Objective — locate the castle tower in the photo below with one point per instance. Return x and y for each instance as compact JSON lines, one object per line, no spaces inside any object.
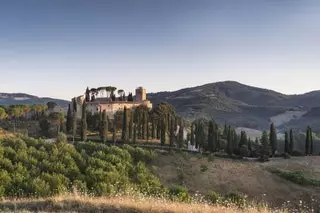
{"x":141,"y":94}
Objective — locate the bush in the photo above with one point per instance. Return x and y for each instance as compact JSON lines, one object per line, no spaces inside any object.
{"x":297,"y":177}
{"x":236,"y":199}
{"x":179,"y":193}
{"x":213,"y":197}
{"x":203,"y":168}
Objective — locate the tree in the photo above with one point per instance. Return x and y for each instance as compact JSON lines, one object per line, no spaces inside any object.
{"x":51,"y":105}
{"x":211,"y":137}
{"x":273,"y":139}
{"x":3,"y":113}
{"x":69,"y":119}
{"x":114,"y":133}
{"x":265,"y":150}
{"x":307,"y":144}
{"x":163,"y":131}
{"x":171,"y":130}
{"x":243,"y":139}
{"x":121,"y":93}
{"x":58,"y":119}
{"x":104,"y":127}
{"x":87,"y":98}
{"x":291,"y":145}
{"x":134,"y":134}
{"x":180,"y":133}
{"x":311,"y":141}
{"x":83,"y":133}
{"x":286,"y":143}
{"x":74,"y":120}
{"x":217,"y":137}
{"x":124,"y":136}
{"x":130,"y":97}
{"x":199,"y":132}
{"x":192,"y":135}
{"x":229,"y":141}
{"x":131,"y":126}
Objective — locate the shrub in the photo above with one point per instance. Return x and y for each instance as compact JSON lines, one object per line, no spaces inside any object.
{"x":264,"y":158}
{"x":236,"y":199}
{"x":297,"y":177}
{"x":179,"y":193}
{"x":210,"y":157}
{"x":203,"y":168}
{"x":213,"y":197}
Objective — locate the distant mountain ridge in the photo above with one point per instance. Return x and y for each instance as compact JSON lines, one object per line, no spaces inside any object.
{"x":237,"y":104}
{"x":22,"y":98}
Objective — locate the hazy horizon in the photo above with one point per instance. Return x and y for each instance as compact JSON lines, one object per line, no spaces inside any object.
{"x":58,"y":48}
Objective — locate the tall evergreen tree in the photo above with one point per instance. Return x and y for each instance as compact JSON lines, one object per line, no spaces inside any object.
{"x":171,"y":129}
{"x":114,"y":132}
{"x":217,"y":137}
{"x":180,"y":134}
{"x":124,"y":136}
{"x":229,"y":141}
{"x":104,"y":127}
{"x":69,"y":119}
{"x":225,"y":130}
{"x":163,"y":131}
{"x":211,"y":136}
{"x":249,"y":145}
{"x":134,"y":134}
{"x":74,"y":125}
{"x":291,"y":145}
{"x":131,"y":126}
{"x":159,"y":128}
{"x":243,"y":139}
{"x":273,"y":139}
{"x":192,"y":135}
{"x":311,"y":141}
{"x":84,"y":126}
{"x":153,"y":129}
{"x":87,"y":98}
{"x":286,"y":143}
{"x":308,"y":142}
{"x":148,"y":130}
{"x":265,"y":148}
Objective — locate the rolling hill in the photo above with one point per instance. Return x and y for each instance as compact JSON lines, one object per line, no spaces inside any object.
{"x":21,"y":98}
{"x":241,"y":105}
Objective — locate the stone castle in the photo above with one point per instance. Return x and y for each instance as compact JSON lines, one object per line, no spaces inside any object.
{"x":111,"y":104}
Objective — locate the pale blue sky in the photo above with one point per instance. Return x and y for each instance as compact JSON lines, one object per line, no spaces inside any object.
{"x":57,"y":48}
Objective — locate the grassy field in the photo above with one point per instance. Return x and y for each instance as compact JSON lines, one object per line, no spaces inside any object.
{"x":202,"y":175}
{"x":75,"y":203}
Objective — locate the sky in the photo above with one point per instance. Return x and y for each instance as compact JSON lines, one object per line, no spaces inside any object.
{"x":58,"y":48}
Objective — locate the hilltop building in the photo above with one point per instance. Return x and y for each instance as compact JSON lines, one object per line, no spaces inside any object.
{"x":100,"y":102}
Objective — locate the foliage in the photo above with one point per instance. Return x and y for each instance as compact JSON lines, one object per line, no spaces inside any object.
{"x":31,"y":167}
{"x":203,"y":168}
{"x":179,"y":193}
{"x":213,"y":197}
{"x":273,"y":138}
{"x":297,"y":177}
{"x":237,"y":199}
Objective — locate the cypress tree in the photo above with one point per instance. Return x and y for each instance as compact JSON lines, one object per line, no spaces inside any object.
{"x":84,"y":122}
{"x":217,"y":137}
{"x":192,"y":135}
{"x":307,"y":145}
{"x":104,"y":127}
{"x":229,"y":141}
{"x":180,"y":134}
{"x":210,"y":137}
{"x":163,"y":131}
{"x":291,"y":145}
{"x":225,"y":130}
{"x":159,"y":128}
{"x":74,"y":125}
{"x":243,"y":139}
{"x":87,"y":98}
{"x":148,"y":130}
{"x":249,"y":145}
{"x":286,"y":143}
{"x":171,"y":122}
{"x":114,"y":133}
{"x":69,"y":119}
{"x":273,"y":139}
{"x":124,"y":135}
{"x":134,"y":134}
{"x":311,"y":141}
{"x":153,"y":129}
{"x":265,"y":150}
{"x":131,"y":126}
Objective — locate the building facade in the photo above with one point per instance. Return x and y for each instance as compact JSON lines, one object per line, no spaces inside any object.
{"x":111,"y":107}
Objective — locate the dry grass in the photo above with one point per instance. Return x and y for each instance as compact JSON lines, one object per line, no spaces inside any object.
{"x":74,"y":203}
